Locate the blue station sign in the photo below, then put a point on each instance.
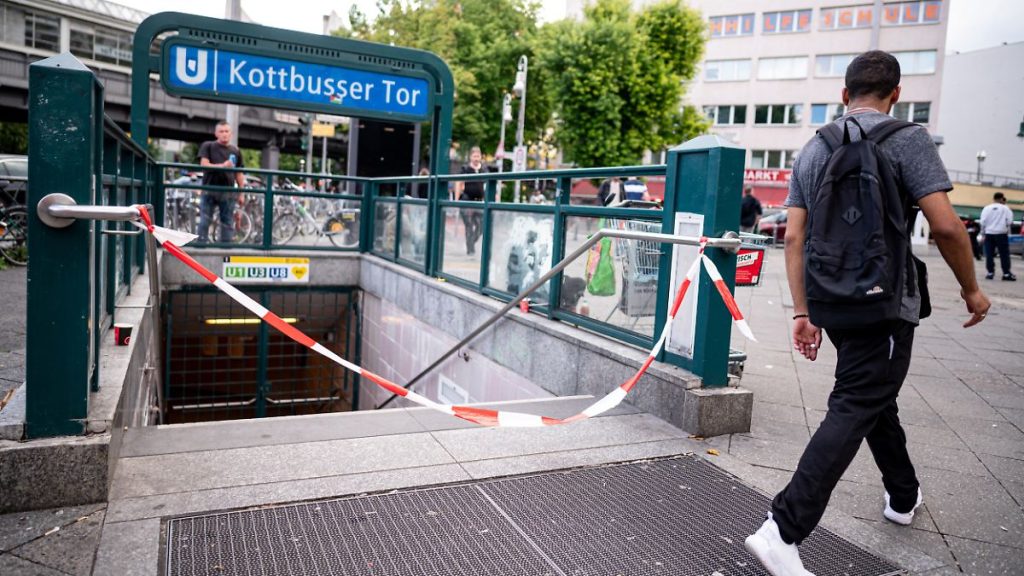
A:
(209, 73)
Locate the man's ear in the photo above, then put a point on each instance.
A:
(895, 95)
(846, 97)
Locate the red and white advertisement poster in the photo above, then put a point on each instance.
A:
(766, 175)
(749, 262)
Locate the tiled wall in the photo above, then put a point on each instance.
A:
(397, 345)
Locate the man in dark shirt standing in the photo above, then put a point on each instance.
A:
(750, 211)
(872, 362)
(220, 153)
(472, 191)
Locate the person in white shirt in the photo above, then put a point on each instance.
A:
(996, 219)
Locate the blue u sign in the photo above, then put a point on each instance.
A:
(214, 74)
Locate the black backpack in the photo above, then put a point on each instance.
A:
(858, 253)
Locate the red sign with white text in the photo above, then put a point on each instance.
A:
(761, 175)
(749, 262)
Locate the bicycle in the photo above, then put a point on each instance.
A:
(14, 234)
(13, 223)
(291, 217)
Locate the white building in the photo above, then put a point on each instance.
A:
(773, 72)
(983, 107)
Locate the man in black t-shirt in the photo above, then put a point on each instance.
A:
(219, 153)
(472, 191)
(750, 211)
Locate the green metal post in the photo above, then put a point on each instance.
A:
(561, 199)
(704, 176)
(62, 148)
(268, 215)
(262, 385)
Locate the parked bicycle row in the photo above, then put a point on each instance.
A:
(238, 217)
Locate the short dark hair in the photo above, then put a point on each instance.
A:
(223, 123)
(874, 73)
(999, 196)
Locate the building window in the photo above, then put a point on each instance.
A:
(846, 17)
(12, 25)
(726, 115)
(778, 114)
(919, 62)
(919, 112)
(782, 68)
(113, 46)
(726, 70)
(772, 158)
(737, 25)
(825, 113)
(788, 21)
(832, 65)
(907, 13)
(42, 31)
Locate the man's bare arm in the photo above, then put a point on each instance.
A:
(954, 245)
(796, 224)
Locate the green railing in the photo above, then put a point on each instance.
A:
(78, 274)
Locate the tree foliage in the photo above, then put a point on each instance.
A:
(13, 138)
(616, 80)
(481, 40)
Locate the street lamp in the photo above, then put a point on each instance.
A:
(981, 159)
(519, 88)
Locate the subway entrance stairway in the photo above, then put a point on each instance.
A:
(412, 491)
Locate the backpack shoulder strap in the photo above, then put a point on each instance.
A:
(883, 130)
(832, 135)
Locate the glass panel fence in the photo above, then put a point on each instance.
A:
(316, 221)
(617, 281)
(521, 246)
(461, 259)
(413, 246)
(384, 220)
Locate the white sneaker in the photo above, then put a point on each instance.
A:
(902, 518)
(779, 558)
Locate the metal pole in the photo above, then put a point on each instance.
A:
(233, 11)
(309, 148)
(731, 244)
(323, 164)
(353, 152)
(521, 84)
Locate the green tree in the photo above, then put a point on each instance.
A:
(13, 138)
(617, 80)
(481, 40)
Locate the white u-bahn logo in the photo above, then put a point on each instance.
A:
(191, 71)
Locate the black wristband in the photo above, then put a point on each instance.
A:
(795, 316)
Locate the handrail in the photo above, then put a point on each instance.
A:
(730, 242)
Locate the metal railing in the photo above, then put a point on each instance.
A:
(998, 181)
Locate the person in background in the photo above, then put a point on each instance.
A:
(973, 229)
(472, 191)
(219, 153)
(996, 219)
(750, 211)
(610, 192)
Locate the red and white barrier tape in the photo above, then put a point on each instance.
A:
(482, 416)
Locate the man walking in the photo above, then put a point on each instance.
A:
(995, 225)
(220, 153)
(750, 211)
(872, 360)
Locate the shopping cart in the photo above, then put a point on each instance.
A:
(750, 259)
(639, 261)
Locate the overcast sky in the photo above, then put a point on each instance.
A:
(973, 24)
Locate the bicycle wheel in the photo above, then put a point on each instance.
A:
(285, 227)
(342, 233)
(14, 236)
(243, 227)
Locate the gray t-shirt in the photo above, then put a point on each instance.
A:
(916, 165)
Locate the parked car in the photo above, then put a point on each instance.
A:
(773, 225)
(13, 179)
(1016, 239)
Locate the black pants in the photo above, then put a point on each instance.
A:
(870, 370)
(473, 221)
(995, 242)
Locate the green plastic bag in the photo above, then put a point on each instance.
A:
(600, 269)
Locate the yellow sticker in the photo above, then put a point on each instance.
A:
(299, 271)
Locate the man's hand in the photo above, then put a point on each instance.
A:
(228, 163)
(806, 338)
(977, 305)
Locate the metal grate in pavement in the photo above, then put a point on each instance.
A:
(677, 516)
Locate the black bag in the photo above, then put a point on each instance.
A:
(858, 254)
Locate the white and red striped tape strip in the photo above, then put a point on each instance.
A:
(482, 416)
